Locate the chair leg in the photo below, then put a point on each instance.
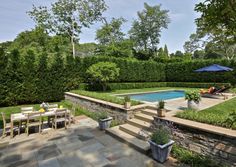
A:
(3, 132)
(39, 128)
(19, 128)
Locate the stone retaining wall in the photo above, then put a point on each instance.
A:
(118, 112)
(218, 147)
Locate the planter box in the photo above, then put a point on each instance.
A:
(193, 105)
(104, 123)
(161, 152)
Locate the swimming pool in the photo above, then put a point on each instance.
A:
(157, 96)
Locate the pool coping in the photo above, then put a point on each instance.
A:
(147, 102)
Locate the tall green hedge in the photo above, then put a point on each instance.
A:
(32, 78)
(131, 70)
(184, 72)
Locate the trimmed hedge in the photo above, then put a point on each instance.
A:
(184, 72)
(139, 85)
(131, 70)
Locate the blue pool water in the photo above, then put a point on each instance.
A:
(157, 96)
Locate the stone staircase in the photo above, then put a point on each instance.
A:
(136, 131)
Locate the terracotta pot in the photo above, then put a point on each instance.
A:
(127, 105)
(161, 112)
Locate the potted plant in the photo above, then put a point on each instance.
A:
(127, 102)
(161, 109)
(161, 144)
(104, 121)
(193, 100)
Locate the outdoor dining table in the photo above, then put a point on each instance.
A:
(23, 116)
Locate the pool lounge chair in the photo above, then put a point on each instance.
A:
(216, 93)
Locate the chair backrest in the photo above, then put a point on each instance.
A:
(61, 113)
(27, 109)
(34, 116)
(3, 119)
(52, 107)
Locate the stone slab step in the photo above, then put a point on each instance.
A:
(150, 112)
(139, 123)
(132, 141)
(144, 117)
(135, 131)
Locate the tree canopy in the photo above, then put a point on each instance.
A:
(146, 30)
(68, 17)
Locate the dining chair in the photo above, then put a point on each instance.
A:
(7, 126)
(61, 115)
(52, 107)
(34, 119)
(25, 110)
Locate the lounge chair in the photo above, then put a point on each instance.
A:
(214, 92)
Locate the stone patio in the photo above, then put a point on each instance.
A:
(82, 145)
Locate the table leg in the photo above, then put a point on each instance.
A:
(12, 123)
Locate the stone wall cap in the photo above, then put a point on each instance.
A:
(201, 126)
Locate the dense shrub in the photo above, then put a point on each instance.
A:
(131, 70)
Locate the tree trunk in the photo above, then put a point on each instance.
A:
(73, 45)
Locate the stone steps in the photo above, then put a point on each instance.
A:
(144, 117)
(139, 123)
(138, 144)
(150, 112)
(135, 131)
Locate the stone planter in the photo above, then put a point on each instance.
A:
(193, 105)
(127, 105)
(104, 123)
(161, 112)
(161, 152)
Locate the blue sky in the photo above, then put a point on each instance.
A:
(13, 18)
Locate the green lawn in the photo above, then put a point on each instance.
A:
(215, 115)
(109, 96)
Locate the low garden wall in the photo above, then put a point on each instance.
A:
(118, 112)
(218, 147)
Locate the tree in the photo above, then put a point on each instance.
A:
(217, 17)
(111, 33)
(103, 72)
(194, 43)
(68, 17)
(166, 52)
(146, 30)
(217, 21)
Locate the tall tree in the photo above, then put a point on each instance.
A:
(217, 21)
(146, 30)
(111, 33)
(68, 17)
(194, 43)
(166, 52)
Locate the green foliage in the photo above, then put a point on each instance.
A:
(110, 33)
(101, 115)
(231, 120)
(193, 159)
(102, 73)
(161, 136)
(127, 99)
(145, 31)
(216, 115)
(103, 96)
(161, 104)
(193, 96)
(184, 71)
(68, 17)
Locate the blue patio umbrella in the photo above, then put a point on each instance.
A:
(214, 68)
